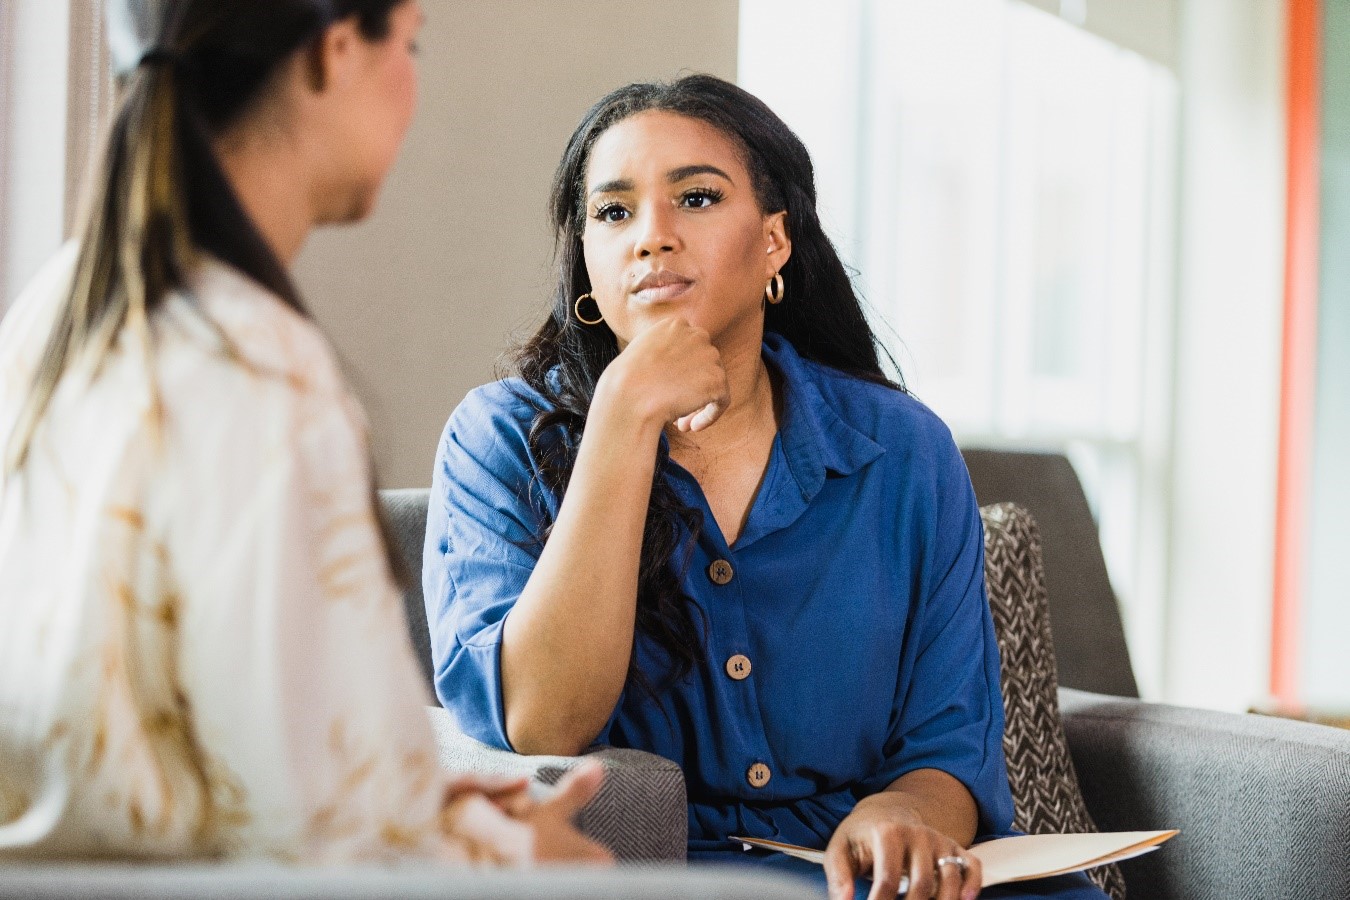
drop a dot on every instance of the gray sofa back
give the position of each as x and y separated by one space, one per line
1089 636
405 514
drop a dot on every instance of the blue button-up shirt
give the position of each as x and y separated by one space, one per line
856 593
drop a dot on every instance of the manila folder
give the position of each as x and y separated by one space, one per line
1026 857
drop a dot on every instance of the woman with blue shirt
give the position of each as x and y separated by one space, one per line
703 523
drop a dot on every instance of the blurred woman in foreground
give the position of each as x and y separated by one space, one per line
202 647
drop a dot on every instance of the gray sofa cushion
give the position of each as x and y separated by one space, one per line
1263 804
1044 785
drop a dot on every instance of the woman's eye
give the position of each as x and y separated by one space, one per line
701 199
611 213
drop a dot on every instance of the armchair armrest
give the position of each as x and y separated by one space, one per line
1263 804
640 814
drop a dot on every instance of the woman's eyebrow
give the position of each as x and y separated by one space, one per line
616 186
675 176
680 174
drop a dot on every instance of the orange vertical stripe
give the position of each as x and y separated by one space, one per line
1298 368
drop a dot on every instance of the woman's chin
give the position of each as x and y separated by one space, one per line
645 315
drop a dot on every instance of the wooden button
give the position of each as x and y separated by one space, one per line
738 667
758 776
721 572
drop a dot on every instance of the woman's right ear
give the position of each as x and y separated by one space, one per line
778 242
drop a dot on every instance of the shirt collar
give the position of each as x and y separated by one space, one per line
816 440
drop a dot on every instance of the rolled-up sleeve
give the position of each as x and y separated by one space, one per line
482 543
948 712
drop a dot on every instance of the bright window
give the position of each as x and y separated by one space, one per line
1004 183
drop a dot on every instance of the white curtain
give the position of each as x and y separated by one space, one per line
90 101
6 55
55 98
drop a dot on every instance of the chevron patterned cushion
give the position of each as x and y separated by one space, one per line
1044 786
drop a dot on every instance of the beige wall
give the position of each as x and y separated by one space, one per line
422 298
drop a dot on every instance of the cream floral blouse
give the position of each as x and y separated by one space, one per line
201 648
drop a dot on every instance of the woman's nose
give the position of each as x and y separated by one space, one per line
656 232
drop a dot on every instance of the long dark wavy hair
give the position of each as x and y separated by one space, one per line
822 317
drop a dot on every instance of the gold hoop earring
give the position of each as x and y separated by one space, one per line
773 291
576 311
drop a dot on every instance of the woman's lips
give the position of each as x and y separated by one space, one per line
661 287
663 293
